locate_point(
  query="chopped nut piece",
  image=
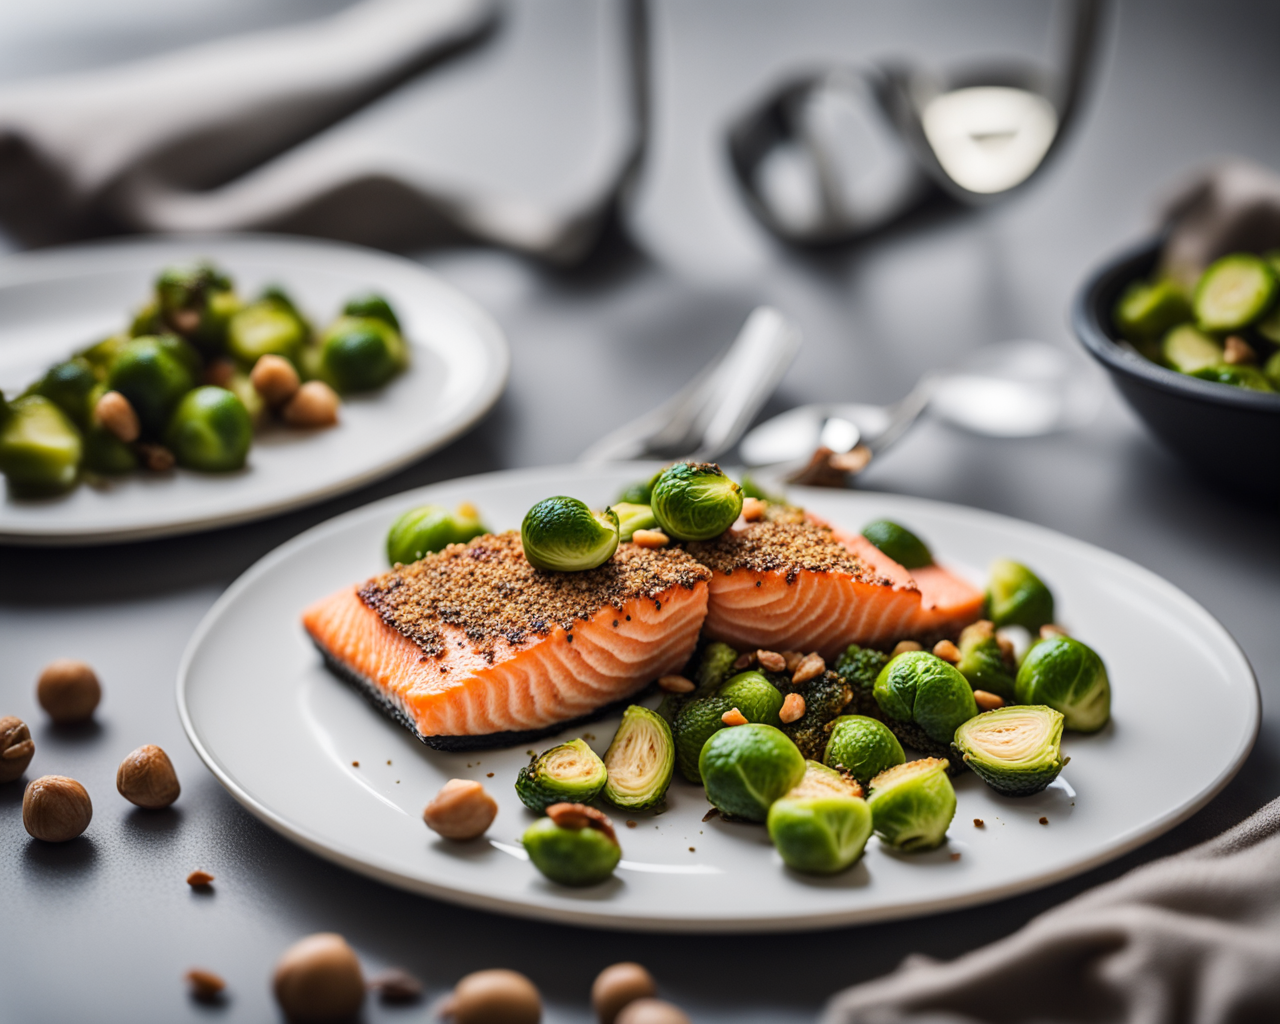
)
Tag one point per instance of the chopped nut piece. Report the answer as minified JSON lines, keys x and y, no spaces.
{"x":1006,"y":648}
{"x":947,"y":651}
{"x":69,"y":691}
{"x":56,"y":808}
{"x":903,"y":646}
{"x":1051,"y":629}
{"x":1238,"y":352}
{"x":676,"y":684}
{"x":462,"y":810}
{"x":987,"y":701}
{"x":630,"y":823}
{"x":792,"y":708}
{"x":199,"y":878}
{"x":955,"y":856}
{"x":979,"y":823}
{"x":792,"y":658}
{"x":314,"y":404}
{"x":578,"y":816}
{"x":146,"y":778}
{"x":275,"y":379}
{"x":184,"y":321}
{"x":733,"y":717}
{"x":744,"y":661}
{"x":1044,"y":821}
{"x":752,"y":509}
{"x":810,"y":667}
{"x":396,"y":986}
{"x":771,"y":660}
{"x":156,"y":457}
{"x":115,"y":413}
{"x":205,"y":985}
{"x":650,"y":539}
{"x":16,"y":748}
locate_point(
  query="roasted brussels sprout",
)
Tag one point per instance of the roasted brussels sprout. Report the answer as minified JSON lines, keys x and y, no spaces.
{"x":859,"y":667}
{"x":912,"y":804}
{"x":1015,"y":750}
{"x":106,"y":453}
{"x":569,"y":773}
{"x":863,"y":747}
{"x":1017,"y":597}
{"x":633,"y":517}
{"x":573,"y":845}
{"x":1188,"y":349}
{"x":899,"y":543}
{"x":1233,"y":292}
{"x":747,"y":767}
{"x":640,"y":760}
{"x":265,"y":327}
{"x":753,"y":695}
{"x":240,"y":385}
{"x":101,"y":354}
{"x":695,"y":723}
{"x":40,"y":449}
{"x":695,"y":501}
{"x":1147,"y":309}
{"x":154,"y":373}
{"x":983,"y":662}
{"x":361,"y":353}
{"x":210,"y":430}
{"x":922,"y":689}
{"x":71,"y":387}
{"x":563,"y":534}
{"x":1272,"y":368}
{"x":1069,"y":677}
{"x":372,"y":306}
{"x":822,"y":825}
{"x":640,"y":492}
{"x":430,"y":528}
{"x":198,"y":303}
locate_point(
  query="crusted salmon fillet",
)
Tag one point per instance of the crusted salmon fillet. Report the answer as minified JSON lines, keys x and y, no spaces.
{"x":474,"y":647}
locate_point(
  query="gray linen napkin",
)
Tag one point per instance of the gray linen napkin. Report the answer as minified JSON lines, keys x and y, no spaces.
{"x":1194,"y":937}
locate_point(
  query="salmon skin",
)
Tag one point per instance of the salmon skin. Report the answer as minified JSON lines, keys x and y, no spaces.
{"x":798,"y":584}
{"x":473,"y":647}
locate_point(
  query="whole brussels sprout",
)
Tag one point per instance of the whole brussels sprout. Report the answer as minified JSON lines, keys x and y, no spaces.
{"x":695,"y":501}
{"x":822,"y":825}
{"x":983,"y":661}
{"x":1069,"y":677}
{"x":198,"y":302}
{"x":757,"y":698}
{"x":746,"y":768}
{"x":573,"y":845}
{"x":40,"y":448}
{"x":430,"y":528}
{"x":632,"y":517}
{"x":695,"y":723}
{"x":640,"y":760}
{"x":361,"y":353}
{"x":863,"y":747}
{"x":1015,"y":750}
{"x":70,"y":386}
{"x":569,"y":773}
{"x":265,"y":327}
{"x":921,"y":688}
{"x":899,"y":543}
{"x":562,"y":534}
{"x":101,"y":354}
{"x":154,"y":373}
{"x":912,"y":804}
{"x":210,"y":430}
{"x":373,"y":306}
{"x":1017,"y":597}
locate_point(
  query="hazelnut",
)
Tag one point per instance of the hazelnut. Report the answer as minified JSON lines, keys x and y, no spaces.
{"x":16,"y":748}
{"x":947,"y":651}
{"x":650,"y":539}
{"x":987,"y":701}
{"x":315,"y":404}
{"x":652,"y":1011}
{"x":494,"y":997}
{"x":793,"y":708}
{"x":115,"y":413}
{"x":396,"y":986}
{"x":146,"y":778}
{"x":318,"y":979}
{"x":275,"y":379}
{"x":618,"y":985}
{"x":205,"y":985}
{"x":56,"y":808}
{"x":771,"y":660}
{"x":219,"y":373}
{"x":69,"y":691}
{"x":904,"y":647}
{"x":461,"y":810}
{"x":811,"y":666}
{"x":753,"y":509}
{"x":733,"y":717}
{"x":676,"y":684}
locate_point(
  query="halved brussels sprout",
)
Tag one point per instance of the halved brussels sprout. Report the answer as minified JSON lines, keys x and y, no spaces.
{"x":569,"y":773}
{"x":822,"y":825}
{"x":431,"y":528}
{"x":361,"y":353}
{"x":265,"y":327}
{"x":696,"y":722}
{"x":40,"y":449}
{"x":154,"y":372}
{"x":1233,"y":292}
{"x":210,"y":431}
{"x":921,"y":688}
{"x":1248,"y":377}
{"x":863,"y":747}
{"x":1149,"y":308}
{"x":746,"y":768}
{"x":752,"y":694}
{"x":983,"y":662}
{"x":372,"y":305}
{"x":1017,"y":597}
{"x":573,"y":845}
{"x":632,"y":517}
{"x":640,"y":760}
{"x":695,"y":501}
{"x":899,"y":543}
{"x":1015,"y":750}
{"x":562,"y":534}
{"x":1187,"y":349}
{"x":912,"y":804}
{"x":1069,"y":677}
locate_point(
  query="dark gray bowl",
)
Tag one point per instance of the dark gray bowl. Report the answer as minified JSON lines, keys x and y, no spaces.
{"x":1227,"y":435}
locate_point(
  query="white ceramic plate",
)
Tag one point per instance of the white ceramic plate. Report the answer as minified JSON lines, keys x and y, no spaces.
{"x":56,"y":301}
{"x":281,"y":734}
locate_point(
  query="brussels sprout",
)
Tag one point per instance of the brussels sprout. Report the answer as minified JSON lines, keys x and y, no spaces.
{"x":1272,"y":368}
{"x":639,"y":492}
{"x":695,"y":723}
{"x":569,"y":773}
{"x":899,"y":543}
{"x":1233,"y":292}
{"x":361,"y":353}
{"x":573,"y":845}
{"x":632,"y":517}
{"x":922,"y":689}
{"x":1069,"y":677}
{"x":197,"y":302}
{"x":859,"y":667}
{"x":1248,"y":377}
{"x":70,"y":386}
{"x":640,"y":760}
{"x":983,"y":661}
{"x":265,"y":327}
{"x":430,"y":528}
{"x":863,"y":747}
{"x":210,"y":430}
{"x":563,"y":534}
{"x":1015,"y":750}
{"x":822,"y":825}
{"x":1148,"y":309}
{"x":40,"y":449}
{"x":753,"y":695}
{"x":747,"y":767}
{"x":106,"y":453}
{"x":912,"y":804}
{"x":1017,"y":597}
{"x":695,"y":501}
{"x":154,"y":373}
{"x":715,"y":665}
{"x":372,"y":306}
{"x":1188,"y":349}
{"x":101,"y":354}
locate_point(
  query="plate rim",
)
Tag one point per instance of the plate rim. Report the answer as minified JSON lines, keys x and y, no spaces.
{"x":371,"y":867}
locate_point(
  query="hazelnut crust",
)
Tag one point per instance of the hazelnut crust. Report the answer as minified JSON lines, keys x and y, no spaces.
{"x":16,"y":748}
{"x":618,"y":985}
{"x":146,"y":778}
{"x":69,"y":691}
{"x":56,"y":808}
{"x":462,"y":810}
{"x":318,"y":979}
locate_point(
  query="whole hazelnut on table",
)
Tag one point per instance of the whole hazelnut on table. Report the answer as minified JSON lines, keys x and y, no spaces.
{"x":318,"y":979}
{"x":618,"y":985}
{"x":146,"y":778}
{"x":56,"y":808}
{"x":69,"y":691}
{"x":494,"y":997}
{"x":16,"y":748}
{"x":652,"y":1011}
{"x":462,"y":810}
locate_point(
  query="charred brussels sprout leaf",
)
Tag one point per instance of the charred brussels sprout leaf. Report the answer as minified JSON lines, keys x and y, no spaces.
{"x":822,"y":825}
{"x":154,"y":373}
{"x":1069,"y":677}
{"x":863,"y":747}
{"x":361,"y":353}
{"x":210,"y":430}
{"x":746,"y":768}
{"x":430,"y":528}
{"x":1147,"y":309}
{"x":1017,"y":597}
{"x":983,"y":662}
{"x":640,"y":760}
{"x":562,"y":534}
{"x":922,"y":689}
{"x":569,"y":773}
{"x":1015,"y":750}
{"x":572,"y":853}
{"x":912,"y":804}
{"x":753,"y":695}
{"x":899,"y":543}
{"x":632,"y":517}
{"x":373,"y":306}
{"x":695,"y":501}
{"x":40,"y":449}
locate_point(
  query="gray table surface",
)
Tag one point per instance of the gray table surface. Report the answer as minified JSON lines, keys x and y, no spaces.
{"x":103,"y":928}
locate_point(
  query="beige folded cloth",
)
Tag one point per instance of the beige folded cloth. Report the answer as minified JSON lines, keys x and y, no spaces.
{"x":1192,"y":938}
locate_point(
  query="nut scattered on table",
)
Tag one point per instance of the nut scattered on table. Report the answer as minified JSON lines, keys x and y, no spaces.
{"x":315,"y":404}
{"x":652,"y":1011}
{"x":487,"y":997}
{"x":319,"y":979}
{"x":462,"y":810}
{"x":69,"y":691}
{"x":396,"y":986}
{"x":146,"y":778}
{"x":56,"y":808}
{"x":618,"y":985}
{"x":205,"y":985}
{"x":275,"y":379}
{"x":199,"y":879}
{"x":16,"y":748}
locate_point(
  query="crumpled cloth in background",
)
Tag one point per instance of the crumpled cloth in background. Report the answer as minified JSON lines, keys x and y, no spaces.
{"x":392,"y":123}
{"x":1193,"y":938}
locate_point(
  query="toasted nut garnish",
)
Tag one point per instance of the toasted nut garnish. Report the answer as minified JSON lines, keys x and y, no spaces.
{"x":579,"y":816}
{"x":744,"y":661}
{"x":319,"y":979}
{"x":1238,"y":352}
{"x":56,"y":808}
{"x":115,"y":413}
{"x":903,"y":647}
{"x":979,"y":823}
{"x":146,"y":778}
{"x":733,"y":717}
{"x":16,"y":748}
{"x":461,"y":810}
{"x":156,"y":457}
{"x":771,"y":660}
{"x":792,"y":708}
{"x":275,"y":379}
{"x":853,"y":461}
{"x":199,"y":878}
{"x":752,"y":509}
{"x":987,"y":701}
{"x":618,"y":985}
{"x":810,"y":667}
{"x":676,"y":684}
{"x":68,"y":690}
{"x":650,"y":539}
{"x":1006,"y":648}
{"x":314,"y":404}
{"x":947,"y":651}
{"x":494,"y":997}
{"x":1051,"y":629}
{"x":792,"y":658}
{"x":396,"y":986}
{"x":651,"y":1011}
{"x":218,"y":373}
{"x":205,"y":985}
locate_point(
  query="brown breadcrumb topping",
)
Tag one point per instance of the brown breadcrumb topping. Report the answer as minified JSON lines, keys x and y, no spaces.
{"x":488,"y":590}
{"x":782,"y":546}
